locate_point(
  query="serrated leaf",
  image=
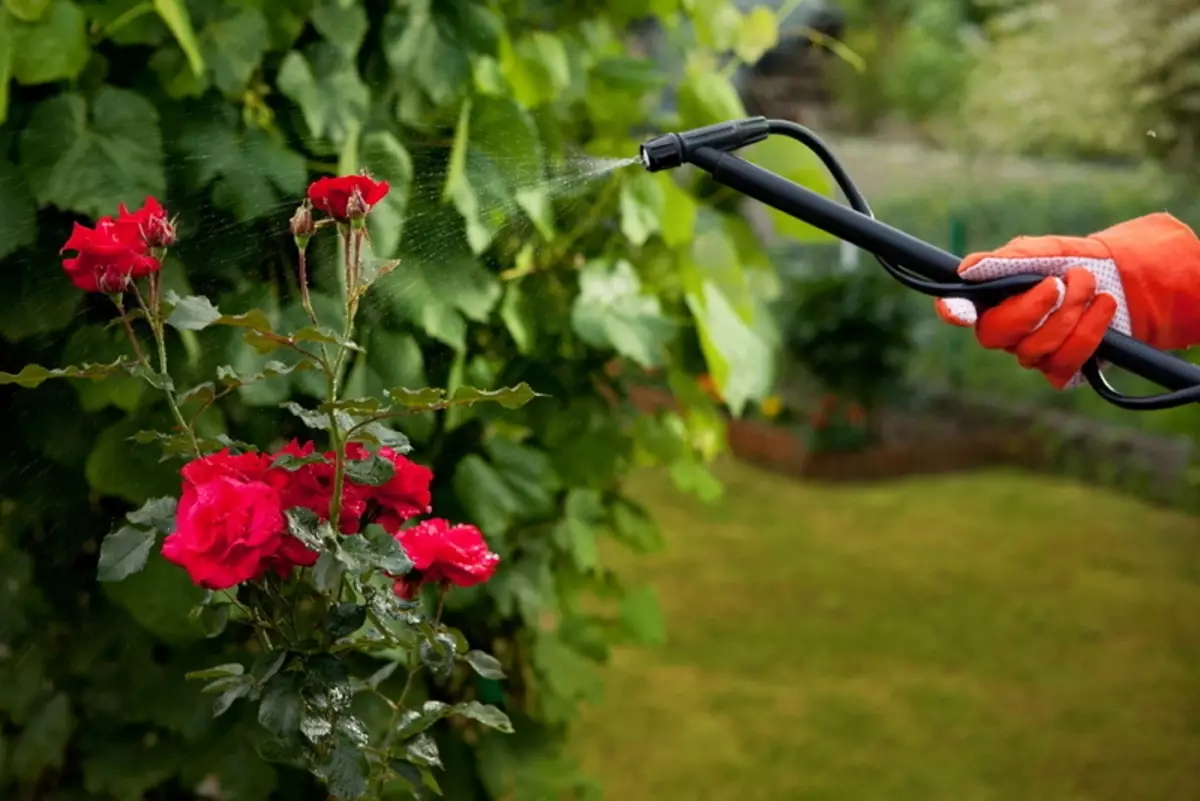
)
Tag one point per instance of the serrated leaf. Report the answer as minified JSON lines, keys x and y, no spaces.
{"x":312,"y":418}
{"x":422,"y":750}
{"x":327,"y":572}
{"x":378,"y":434}
{"x":316,"y":728}
{"x":156,"y":513}
{"x":291,"y":462}
{"x":229,"y":670}
{"x":484,"y":664}
{"x":380,"y":676}
{"x":344,"y":771}
{"x":425,"y":397}
{"x":226,"y":699}
{"x":374,"y":471}
{"x":196,"y":312}
{"x":509,"y":397}
{"x":33,"y":375}
{"x":282,"y":707}
{"x":345,"y":619}
{"x":415,"y":721}
{"x":612,"y":311}
{"x":306,"y":526}
{"x":486,"y":714}
{"x":87,"y":155}
{"x":124,"y":552}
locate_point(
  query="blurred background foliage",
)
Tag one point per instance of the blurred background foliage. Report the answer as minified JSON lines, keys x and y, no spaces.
{"x":525,"y":257}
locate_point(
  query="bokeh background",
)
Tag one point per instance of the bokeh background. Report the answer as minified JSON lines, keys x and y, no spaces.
{"x":775,"y":533}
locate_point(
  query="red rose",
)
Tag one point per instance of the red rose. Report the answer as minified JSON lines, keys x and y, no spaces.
{"x":148,"y":226}
{"x":252,"y":470}
{"x":311,"y":487}
{"x":331,"y":195}
{"x":105,"y":261}
{"x":404,"y":496}
{"x":442,"y":552}
{"x":227,"y":530}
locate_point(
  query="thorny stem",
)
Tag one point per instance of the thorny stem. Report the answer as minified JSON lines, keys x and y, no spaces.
{"x":133,"y":340}
{"x":156,"y":327}
{"x":334,"y":378}
{"x":305,"y":297}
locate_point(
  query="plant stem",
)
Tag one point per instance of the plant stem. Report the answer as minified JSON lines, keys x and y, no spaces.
{"x":334,"y":380}
{"x":156,"y":327}
{"x":305,"y":298}
{"x":133,"y":340}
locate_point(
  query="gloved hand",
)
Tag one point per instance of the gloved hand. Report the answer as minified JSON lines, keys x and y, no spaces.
{"x":1141,"y":277}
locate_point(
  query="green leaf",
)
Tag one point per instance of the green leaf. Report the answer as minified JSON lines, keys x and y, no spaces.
{"x":328,"y":572}
{"x":739,"y":360}
{"x":382,"y":155}
{"x":233,"y":44}
{"x":18,"y":224}
{"x":168,"y":618}
{"x":54,"y":48}
{"x":496,"y":159}
{"x":611,"y":311}
{"x":415,"y":721}
{"x":282,"y":707}
{"x":42,"y":744}
{"x":422,"y":750}
{"x":642,"y":199}
{"x":634,"y":527}
{"x":438,"y":291}
{"x":304,"y":525}
{"x":32,"y":375}
{"x":417,"y":50}
{"x":196,"y":312}
{"x":331,"y":94}
{"x":89,"y":158}
{"x":345,"y":619}
{"x":124,"y":552}
{"x":175,"y":14}
{"x":310,"y":417}
{"x":706,"y":98}
{"x":374,"y":471}
{"x":7,"y":56}
{"x":384,"y":552}
{"x":252,"y":172}
{"x":757,"y":33}
{"x":291,"y":462}
{"x":484,"y":664}
{"x":157,"y":514}
{"x":678,"y":217}
{"x":225,"y":671}
{"x":27,"y":10}
{"x":642,"y":617}
{"x":344,"y":25}
{"x":486,"y":714}
{"x":344,"y":771}
{"x":428,"y":398}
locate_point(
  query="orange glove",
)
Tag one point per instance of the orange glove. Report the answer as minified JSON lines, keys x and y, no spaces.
{"x":1141,"y":278}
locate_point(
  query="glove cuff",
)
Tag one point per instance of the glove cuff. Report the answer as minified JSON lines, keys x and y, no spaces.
{"x":1159,"y":261}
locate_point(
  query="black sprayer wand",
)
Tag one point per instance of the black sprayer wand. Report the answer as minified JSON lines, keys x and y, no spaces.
{"x":915,"y":264}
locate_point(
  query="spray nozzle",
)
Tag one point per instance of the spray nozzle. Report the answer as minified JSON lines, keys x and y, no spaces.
{"x":673,"y":149}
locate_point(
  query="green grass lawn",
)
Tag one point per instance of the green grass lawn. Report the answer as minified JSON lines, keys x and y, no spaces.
{"x":970,"y":638}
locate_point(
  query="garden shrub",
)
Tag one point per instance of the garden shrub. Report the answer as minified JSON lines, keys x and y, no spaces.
{"x":473,"y":112}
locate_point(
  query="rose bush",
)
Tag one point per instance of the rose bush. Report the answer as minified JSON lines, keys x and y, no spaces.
{"x":519,"y":262}
{"x":269,"y":534}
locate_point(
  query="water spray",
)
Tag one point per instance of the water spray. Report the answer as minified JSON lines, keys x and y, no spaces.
{"x":915,"y":263}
